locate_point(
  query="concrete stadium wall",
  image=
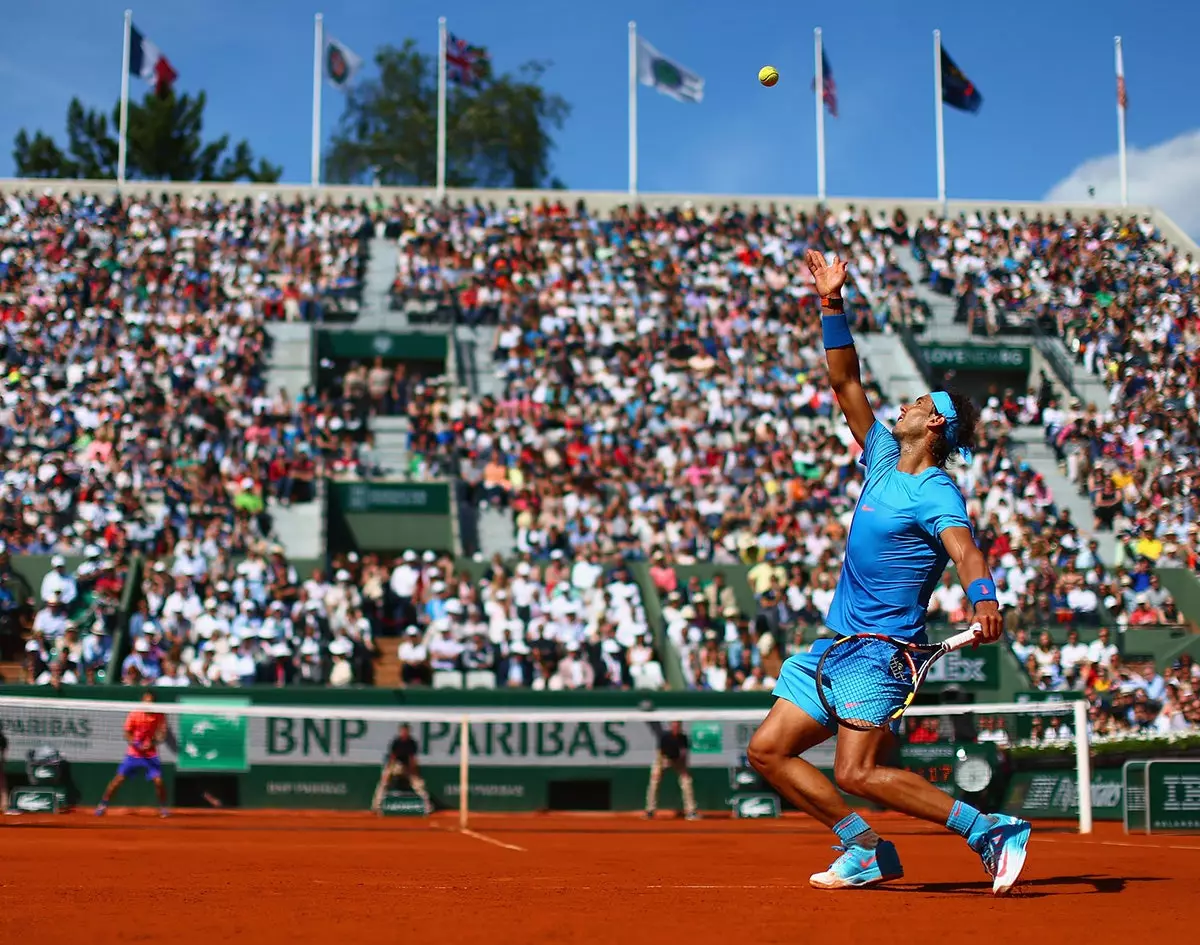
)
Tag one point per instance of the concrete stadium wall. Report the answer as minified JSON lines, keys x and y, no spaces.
{"x":605,"y":201}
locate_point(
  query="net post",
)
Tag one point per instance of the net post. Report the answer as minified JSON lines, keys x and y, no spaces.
{"x":1083,"y":766}
{"x":464,"y":751}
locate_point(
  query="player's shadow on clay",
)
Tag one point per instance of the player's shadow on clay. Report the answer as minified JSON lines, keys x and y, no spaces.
{"x":1029,"y":889}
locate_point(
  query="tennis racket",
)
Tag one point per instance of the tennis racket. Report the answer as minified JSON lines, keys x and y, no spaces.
{"x":868,"y":680}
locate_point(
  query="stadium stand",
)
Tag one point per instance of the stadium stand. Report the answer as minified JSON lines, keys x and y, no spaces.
{"x":659,"y":398}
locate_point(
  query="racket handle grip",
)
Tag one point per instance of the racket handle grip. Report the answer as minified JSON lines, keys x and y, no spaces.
{"x":966,"y":638}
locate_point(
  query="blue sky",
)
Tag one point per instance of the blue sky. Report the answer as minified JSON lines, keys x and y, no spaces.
{"x":1045,"y":70}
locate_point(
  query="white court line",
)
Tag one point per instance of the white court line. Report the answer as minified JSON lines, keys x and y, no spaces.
{"x":1116,"y":843}
{"x":492,"y":840}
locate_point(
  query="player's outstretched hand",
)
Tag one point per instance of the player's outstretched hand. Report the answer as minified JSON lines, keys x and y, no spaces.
{"x":989,"y":621}
{"x":829,"y":278}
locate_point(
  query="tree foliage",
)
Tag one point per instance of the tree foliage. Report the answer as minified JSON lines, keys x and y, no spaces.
{"x":165,"y":141}
{"x":497,"y":135}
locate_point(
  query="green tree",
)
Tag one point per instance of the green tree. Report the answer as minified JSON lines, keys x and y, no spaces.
{"x":497,"y":135}
{"x":165,"y":141}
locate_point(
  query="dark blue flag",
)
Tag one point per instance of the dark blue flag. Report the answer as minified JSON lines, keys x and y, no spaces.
{"x":957,"y":90}
{"x":828,"y":87}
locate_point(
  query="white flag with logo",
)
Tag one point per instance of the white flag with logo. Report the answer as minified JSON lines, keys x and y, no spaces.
{"x":666,"y":75}
{"x":341,"y":63}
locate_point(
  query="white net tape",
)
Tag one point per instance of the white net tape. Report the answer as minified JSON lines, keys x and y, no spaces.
{"x":223,"y":732}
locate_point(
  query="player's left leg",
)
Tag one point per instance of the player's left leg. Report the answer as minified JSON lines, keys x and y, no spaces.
{"x":418,"y":785}
{"x":687,"y":789}
{"x":656,"y":768}
{"x":999,"y":840}
{"x":385,"y":779}
{"x":774,"y":751}
{"x":160,"y":791}
{"x":109,"y":792}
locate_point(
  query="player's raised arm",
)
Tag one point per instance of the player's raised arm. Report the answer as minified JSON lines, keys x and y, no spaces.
{"x":844,"y":372}
{"x":976,"y":579}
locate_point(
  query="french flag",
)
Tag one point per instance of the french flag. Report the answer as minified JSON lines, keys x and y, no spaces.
{"x":146,"y":60}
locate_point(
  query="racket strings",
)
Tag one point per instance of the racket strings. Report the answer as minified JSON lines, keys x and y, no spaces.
{"x":866,"y":680}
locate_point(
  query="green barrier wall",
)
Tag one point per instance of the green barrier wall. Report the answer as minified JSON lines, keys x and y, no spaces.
{"x":1185,"y":588}
{"x":391,"y":346}
{"x":391,"y":516}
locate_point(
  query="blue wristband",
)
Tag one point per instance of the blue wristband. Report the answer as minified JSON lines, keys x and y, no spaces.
{"x":835,"y":331}
{"x":981,"y":590}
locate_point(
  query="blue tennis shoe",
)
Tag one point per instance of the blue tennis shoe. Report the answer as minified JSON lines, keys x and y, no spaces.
{"x":1003,"y":851}
{"x":858,"y":866}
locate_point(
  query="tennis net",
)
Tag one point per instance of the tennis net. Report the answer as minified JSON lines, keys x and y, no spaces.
{"x":474,"y":759}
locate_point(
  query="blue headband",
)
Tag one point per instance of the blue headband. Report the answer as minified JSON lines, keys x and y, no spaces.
{"x":945,"y":406}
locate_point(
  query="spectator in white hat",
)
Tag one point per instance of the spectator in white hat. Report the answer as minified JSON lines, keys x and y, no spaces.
{"x":341,"y":673}
{"x":57,"y":581}
{"x":143,"y":662}
{"x":95,"y":651}
{"x":403,"y":583}
{"x":414,"y":659}
{"x":51,"y":620}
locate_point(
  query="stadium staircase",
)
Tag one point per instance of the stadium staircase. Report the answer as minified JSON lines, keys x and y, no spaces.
{"x":1052,"y":352}
{"x":941,"y":326}
{"x":300,"y":528}
{"x":495,"y":530}
{"x":1028,"y":443}
{"x":387,"y":663}
{"x":891,"y":365}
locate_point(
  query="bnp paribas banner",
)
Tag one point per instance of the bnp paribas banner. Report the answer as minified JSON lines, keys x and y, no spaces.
{"x":228,"y":741}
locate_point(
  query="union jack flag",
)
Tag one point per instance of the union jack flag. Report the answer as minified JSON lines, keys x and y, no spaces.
{"x":828,"y":86}
{"x":465,"y":64}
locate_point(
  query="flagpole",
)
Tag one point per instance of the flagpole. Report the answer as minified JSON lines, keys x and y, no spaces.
{"x":633,"y":124}
{"x":941,"y":133}
{"x":1121,"y":155}
{"x":441,"y":106}
{"x":318,"y":50}
{"x":819,"y":60}
{"x":124,"y":119}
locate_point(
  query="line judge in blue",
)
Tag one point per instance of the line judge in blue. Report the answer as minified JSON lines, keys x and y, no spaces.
{"x":910,"y":521}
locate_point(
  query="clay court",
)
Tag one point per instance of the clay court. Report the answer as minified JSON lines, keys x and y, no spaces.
{"x":290,"y":877}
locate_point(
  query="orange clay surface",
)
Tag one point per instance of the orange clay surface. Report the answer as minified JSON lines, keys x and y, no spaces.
{"x":212,"y":878}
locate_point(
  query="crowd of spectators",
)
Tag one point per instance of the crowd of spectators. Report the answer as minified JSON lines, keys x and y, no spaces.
{"x":75,"y":618}
{"x":206,"y":619}
{"x":1126,"y":303}
{"x":553,"y":625}
{"x":133,"y":407}
{"x":662,"y":396}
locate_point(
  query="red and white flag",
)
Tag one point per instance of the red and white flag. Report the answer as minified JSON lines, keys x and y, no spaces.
{"x":146,"y":60}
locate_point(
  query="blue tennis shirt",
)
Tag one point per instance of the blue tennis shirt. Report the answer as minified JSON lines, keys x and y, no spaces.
{"x":894,"y":555}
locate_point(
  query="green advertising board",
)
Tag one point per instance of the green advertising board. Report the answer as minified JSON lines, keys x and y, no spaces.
{"x":1054,"y":794}
{"x":391,"y":516}
{"x":1162,"y":795}
{"x":977,"y":357}
{"x":408,"y":498}
{"x":971,"y":669}
{"x":214,"y":742}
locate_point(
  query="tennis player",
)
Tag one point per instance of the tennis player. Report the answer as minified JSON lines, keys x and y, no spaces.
{"x":143,"y":731}
{"x":910,"y":520}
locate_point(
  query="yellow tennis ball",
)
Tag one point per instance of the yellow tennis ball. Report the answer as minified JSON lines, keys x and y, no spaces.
{"x":768,"y":75}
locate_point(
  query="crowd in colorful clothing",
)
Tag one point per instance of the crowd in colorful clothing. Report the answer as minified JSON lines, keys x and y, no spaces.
{"x":133,"y":403}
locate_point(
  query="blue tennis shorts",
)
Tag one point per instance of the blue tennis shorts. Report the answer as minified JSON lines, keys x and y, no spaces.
{"x":151,"y":768}
{"x":798,"y":684}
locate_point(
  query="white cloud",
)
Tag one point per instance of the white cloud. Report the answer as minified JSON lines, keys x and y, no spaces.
{"x":1166,"y":176}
